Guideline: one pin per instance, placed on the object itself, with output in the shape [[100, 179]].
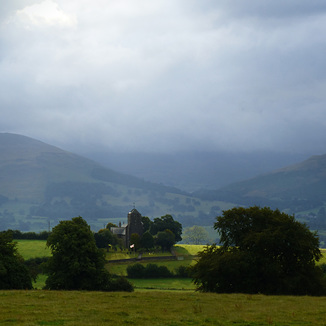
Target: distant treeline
[[18, 235]]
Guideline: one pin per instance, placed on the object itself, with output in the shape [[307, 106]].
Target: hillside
[[194, 170], [41, 184], [299, 189]]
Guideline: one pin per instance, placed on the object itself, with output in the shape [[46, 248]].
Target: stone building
[[134, 225]]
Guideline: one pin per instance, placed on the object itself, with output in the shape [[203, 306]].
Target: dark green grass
[[157, 308]]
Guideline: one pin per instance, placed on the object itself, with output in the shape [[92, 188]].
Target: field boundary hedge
[[155, 258]]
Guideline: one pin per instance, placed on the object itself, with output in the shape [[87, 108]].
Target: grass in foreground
[[157, 308]]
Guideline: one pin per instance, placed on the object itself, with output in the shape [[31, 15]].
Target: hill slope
[[41, 184], [299, 188], [194, 170]]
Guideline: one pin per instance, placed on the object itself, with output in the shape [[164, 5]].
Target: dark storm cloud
[[165, 75]]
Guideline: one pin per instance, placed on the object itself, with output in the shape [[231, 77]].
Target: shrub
[[120, 284], [182, 271], [13, 273], [148, 271], [36, 266], [135, 271]]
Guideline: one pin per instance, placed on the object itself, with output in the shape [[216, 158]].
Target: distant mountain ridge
[[295, 188], [41, 184], [27, 160], [194, 170]]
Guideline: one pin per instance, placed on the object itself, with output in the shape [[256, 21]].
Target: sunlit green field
[[157, 308], [185, 249], [33, 248]]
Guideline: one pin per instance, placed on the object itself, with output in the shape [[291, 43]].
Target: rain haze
[[164, 76]]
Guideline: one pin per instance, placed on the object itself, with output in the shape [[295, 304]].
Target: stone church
[[134, 225]]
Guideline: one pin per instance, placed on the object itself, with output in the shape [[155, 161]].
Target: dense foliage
[[76, 262], [166, 222], [104, 238], [147, 241], [263, 251], [165, 239], [13, 273], [154, 271], [36, 266]]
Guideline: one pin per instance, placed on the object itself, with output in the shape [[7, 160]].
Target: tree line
[[261, 251], [77, 262]]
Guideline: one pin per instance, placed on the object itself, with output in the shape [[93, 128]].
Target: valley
[[42, 184]]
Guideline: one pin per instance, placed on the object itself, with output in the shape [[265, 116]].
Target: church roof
[[134, 211], [118, 230]]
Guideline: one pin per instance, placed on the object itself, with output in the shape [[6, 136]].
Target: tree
[[147, 241], [110, 225], [13, 273], [76, 262], [146, 223], [195, 235], [165, 239], [166, 222], [263, 251], [104, 238]]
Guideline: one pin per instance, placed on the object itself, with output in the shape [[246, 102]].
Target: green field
[[157, 308], [175, 303], [33, 248], [37, 248]]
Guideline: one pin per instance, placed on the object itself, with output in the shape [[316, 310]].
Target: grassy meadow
[[33, 248], [155, 302], [157, 308]]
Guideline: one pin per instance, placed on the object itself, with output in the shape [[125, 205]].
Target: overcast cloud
[[165, 75]]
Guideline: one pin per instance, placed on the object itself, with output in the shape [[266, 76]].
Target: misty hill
[[196, 170], [299, 188], [41, 184]]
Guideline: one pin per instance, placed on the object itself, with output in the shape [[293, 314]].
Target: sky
[[165, 75]]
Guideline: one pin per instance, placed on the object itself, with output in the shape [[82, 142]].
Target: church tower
[[135, 225]]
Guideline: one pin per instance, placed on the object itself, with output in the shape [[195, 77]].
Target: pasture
[[37, 248], [175, 304], [33, 248], [157, 308]]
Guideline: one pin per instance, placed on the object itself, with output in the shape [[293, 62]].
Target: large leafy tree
[[13, 273], [146, 223], [104, 238], [263, 251], [165, 239], [147, 241], [166, 222], [76, 262]]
